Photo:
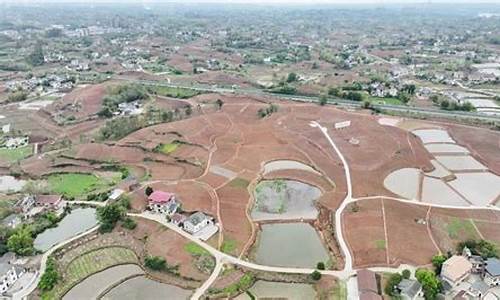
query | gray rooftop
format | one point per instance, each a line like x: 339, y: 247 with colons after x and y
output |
x: 4, y: 262
x: 409, y: 287
x: 493, y: 266
x: 480, y: 286
x: 197, y: 218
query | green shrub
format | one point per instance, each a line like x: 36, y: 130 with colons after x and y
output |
x: 316, y: 275
x: 129, y: 224
x: 156, y: 263
x: 50, y: 277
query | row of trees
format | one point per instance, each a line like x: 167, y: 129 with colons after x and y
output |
x: 446, y: 104
x: 264, y: 112
x: 120, y: 127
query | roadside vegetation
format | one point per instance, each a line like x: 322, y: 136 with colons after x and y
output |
x: 174, y: 92
x: 446, y: 104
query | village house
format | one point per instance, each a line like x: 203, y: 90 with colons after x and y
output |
x: 367, y: 285
x: 178, y: 219
x: 25, y: 205
x: 16, y: 142
x: 53, y: 202
x: 132, y: 108
x: 476, y: 260
x: 410, y: 289
x: 115, y: 194
x: 197, y: 222
x: 478, y: 289
x: 163, y: 202
x: 492, y: 272
x: 455, y: 270
x: 12, y: 221
x: 9, y: 273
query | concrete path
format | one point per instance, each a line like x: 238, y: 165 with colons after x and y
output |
x: 338, y: 212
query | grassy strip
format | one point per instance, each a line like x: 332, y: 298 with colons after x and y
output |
x: 73, y: 185
x: 194, y: 249
x: 14, y: 155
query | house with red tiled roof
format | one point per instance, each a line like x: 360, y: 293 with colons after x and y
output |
x: 49, y: 201
x: 163, y: 202
x: 367, y: 285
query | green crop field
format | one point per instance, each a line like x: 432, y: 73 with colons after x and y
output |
x: 74, y: 184
x: 168, y: 148
x: 14, y: 155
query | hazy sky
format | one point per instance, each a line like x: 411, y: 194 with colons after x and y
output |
x: 258, y: 1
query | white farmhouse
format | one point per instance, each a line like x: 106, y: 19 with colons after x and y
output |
x: 163, y: 202
x: 9, y: 273
x: 197, y: 222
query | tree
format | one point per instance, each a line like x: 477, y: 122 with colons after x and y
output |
x: 219, y: 103
x: 36, y: 58
x: 367, y: 104
x: 430, y: 283
x: 109, y: 215
x: 404, y: 97
x: 50, y: 277
x: 320, y: 265
x: 483, y: 248
x: 17, y: 96
x: 437, y: 262
x: 148, y: 191
x: 188, y: 110
x: 129, y: 224
x: 105, y: 112
x: 406, y: 274
x: 156, y: 263
x: 316, y: 275
x: 292, y: 77
x: 333, y: 91
x: 21, y: 242
x: 355, y: 96
x: 410, y: 88
x: 323, y: 99
x: 392, y: 282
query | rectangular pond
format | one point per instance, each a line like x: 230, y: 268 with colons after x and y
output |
x: 433, y: 136
x: 78, y: 221
x: 284, y: 200
x: 290, y: 245
x: 143, y: 288
x: 280, y: 290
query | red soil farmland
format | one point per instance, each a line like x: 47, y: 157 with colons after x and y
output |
x: 363, y: 226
